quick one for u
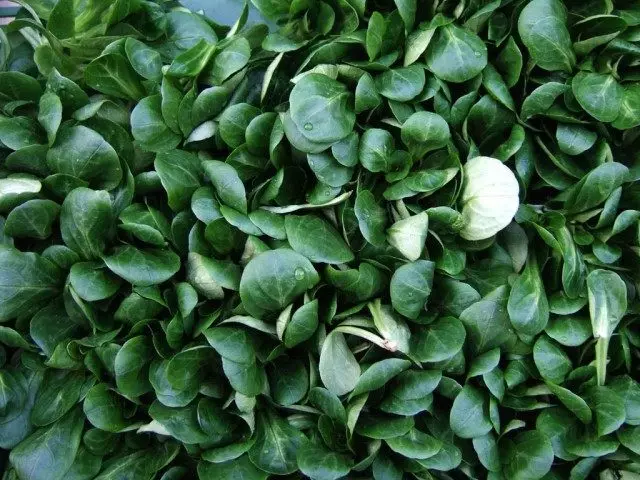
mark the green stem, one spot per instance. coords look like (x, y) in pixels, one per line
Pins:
(602, 346)
(402, 210)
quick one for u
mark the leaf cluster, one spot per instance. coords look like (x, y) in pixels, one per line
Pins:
(234, 252)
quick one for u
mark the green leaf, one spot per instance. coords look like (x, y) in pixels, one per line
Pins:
(143, 267)
(372, 218)
(608, 408)
(289, 381)
(210, 276)
(629, 115)
(320, 108)
(273, 279)
(104, 409)
(415, 444)
(509, 62)
(394, 330)
(61, 19)
(607, 301)
(528, 306)
(112, 74)
(316, 239)
(227, 183)
(630, 438)
(19, 132)
(488, 453)
(185, 29)
(50, 115)
(16, 85)
(596, 186)
(448, 458)
(469, 416)
(600, 95)
(144, 60)
(71, 95)
(401, 84)
(50, 405)
(28, 280)
(485, 363)
(236, 469)
(92, 282)
(574, 139)
(85, 154)
(32, 219)
(183, 424)
(573, 402)
(541, 99)
(346, 150)
(496, 86)
(233, 58)
(407, 10)
(366, 95)
(375, 33)
(629, 390)
(227, 453)
(146, 223)
(411, 392)
(607, 295)
(339, 370)
(543, 30)
(487, 322)
(570, 330)
(131, 366)
(302, 325)
(423, 132)
(530, 455)
(149, 128)
(277, 444)
(170, 103)
(411, 286)
(179, 173)
(438, 341)
(574, 269)
(328, 170)
(379, 374)
(552, 362)
(376, 147)
(384, 427)
(456, 54)
(191, 62)
(49, 452)
(234, 122)
(318, 463)
(358, 284)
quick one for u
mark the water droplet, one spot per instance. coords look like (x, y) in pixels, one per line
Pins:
(308, 126)
(477, 54)
(299, 274)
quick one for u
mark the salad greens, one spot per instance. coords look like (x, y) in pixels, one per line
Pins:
(389, 240)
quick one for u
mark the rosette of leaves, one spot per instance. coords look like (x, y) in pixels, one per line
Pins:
(230, 253)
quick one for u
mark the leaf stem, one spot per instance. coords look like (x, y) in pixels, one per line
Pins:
(602, 346)
(402, 210)
(371, 337)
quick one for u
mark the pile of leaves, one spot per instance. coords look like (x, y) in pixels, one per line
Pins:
(240, 253)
